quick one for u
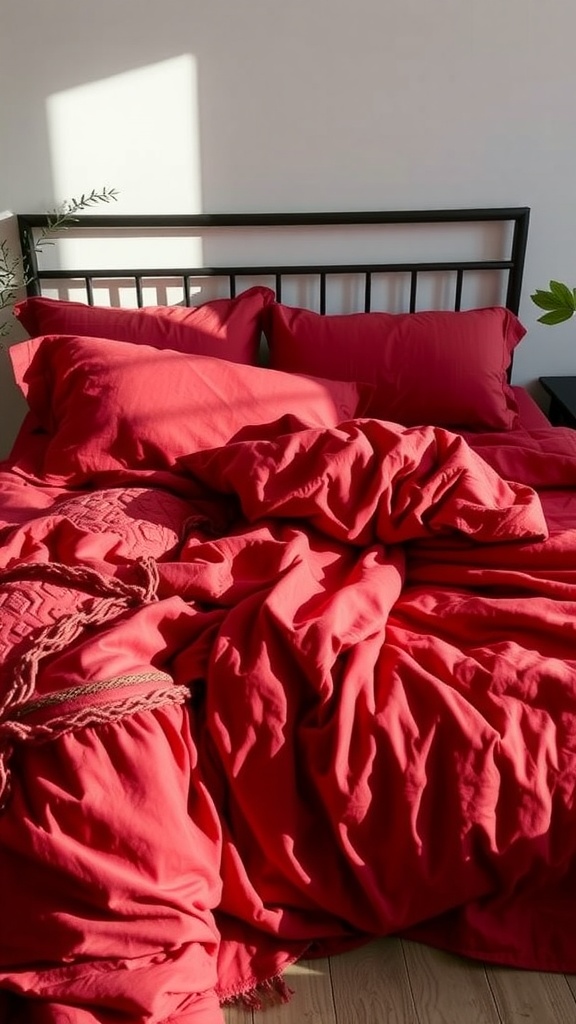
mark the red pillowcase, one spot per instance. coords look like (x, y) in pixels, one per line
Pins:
(110, 405)
(442, 368)
(226, 328)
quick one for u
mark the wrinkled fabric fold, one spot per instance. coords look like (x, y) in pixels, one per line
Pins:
(369, 635)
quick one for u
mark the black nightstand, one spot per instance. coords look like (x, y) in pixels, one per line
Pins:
(562, 391)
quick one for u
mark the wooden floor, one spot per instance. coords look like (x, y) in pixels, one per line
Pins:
(397, 982)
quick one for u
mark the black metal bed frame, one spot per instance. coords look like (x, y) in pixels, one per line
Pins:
(512, 265)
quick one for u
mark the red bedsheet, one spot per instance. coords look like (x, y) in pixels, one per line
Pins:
(301, 692)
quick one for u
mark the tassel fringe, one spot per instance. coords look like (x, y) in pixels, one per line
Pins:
(272, 992)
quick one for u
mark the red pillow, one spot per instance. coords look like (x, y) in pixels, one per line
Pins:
(447, 369)
(109, 405)
(227, 328)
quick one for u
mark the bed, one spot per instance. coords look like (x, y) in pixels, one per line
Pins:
(287, 629)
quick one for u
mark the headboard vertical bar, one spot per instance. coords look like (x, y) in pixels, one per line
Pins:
(139, 296)
(413, 290)
(186, 286)
(89, 290)
(519, 243)
(322, 293)
(368, 292)
(30, 257)
(458, 295)
(232, 282)
(278, 287)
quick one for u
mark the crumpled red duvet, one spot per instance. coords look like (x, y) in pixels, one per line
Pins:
(305, 690)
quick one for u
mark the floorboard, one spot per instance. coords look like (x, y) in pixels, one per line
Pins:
(235, 1015)
(371, 984)
(312, 1002)
(393, 981)
(448, 990)
(571, 979)
(532, 998)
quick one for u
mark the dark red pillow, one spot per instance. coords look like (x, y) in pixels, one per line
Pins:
(110, 405)
(226, 328)
(447, 369)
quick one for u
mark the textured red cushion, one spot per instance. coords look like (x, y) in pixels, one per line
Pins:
(443, 368)
(227, 328)
(109, 405)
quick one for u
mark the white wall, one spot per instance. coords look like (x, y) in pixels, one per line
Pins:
(241, 105)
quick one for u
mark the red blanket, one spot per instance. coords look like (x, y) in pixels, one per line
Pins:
(305, 691)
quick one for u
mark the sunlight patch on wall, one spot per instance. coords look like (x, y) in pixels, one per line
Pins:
(137, 132)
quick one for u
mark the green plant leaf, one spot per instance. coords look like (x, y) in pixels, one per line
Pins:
(545, 300)
(14, 274)
(563, 293)
(556, 316)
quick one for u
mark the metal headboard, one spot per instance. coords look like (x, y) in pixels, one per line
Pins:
(512, 265)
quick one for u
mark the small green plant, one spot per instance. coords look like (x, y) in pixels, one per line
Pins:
(559, 302)
(14, 275)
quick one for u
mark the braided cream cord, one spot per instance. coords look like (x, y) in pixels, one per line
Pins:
(113, 597)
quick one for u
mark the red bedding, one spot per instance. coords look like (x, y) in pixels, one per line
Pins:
(303, 691)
